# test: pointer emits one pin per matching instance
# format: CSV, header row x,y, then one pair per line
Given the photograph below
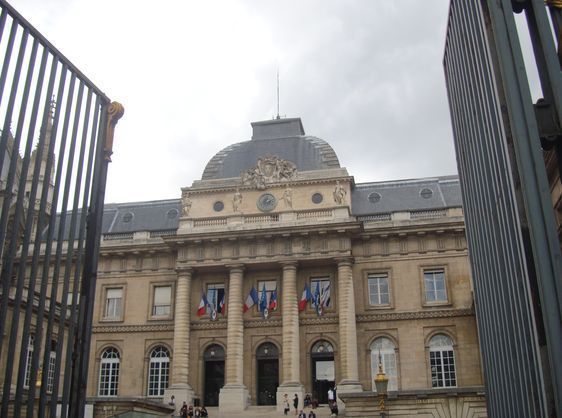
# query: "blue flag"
x,y
316,298
263,301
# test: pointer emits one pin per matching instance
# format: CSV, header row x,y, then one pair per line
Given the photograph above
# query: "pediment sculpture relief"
x,y
269,169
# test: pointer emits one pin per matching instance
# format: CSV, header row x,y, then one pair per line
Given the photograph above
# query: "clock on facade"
x,y
266,202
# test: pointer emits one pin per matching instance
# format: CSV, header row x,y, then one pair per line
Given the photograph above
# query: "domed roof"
x,y
284,138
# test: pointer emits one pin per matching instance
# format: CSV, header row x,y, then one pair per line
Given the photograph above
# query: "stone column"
x,y
347,329
180,387
291,352
234,395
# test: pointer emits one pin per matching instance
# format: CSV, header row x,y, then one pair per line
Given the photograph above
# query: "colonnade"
x,y
234,395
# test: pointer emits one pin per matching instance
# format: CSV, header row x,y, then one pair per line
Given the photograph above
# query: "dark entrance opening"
x,y
214,374
267,357
323,370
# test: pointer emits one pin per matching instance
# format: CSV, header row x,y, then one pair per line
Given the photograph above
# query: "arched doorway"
x,y
267,357
213,359
323,370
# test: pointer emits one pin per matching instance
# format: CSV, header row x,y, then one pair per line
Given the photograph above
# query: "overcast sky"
x,y
365,75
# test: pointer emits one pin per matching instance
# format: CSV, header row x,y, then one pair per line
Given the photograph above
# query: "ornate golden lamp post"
x,y
381,383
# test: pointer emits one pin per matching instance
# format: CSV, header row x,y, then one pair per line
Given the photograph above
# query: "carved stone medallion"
x,y
269,169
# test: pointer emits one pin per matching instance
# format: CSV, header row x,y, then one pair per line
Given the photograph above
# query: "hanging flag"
x,y
263,300
316,299
251,300
222,305
273,300
325,297
306,296
202,304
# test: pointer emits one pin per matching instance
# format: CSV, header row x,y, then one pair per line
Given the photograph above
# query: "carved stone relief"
x,y
270,169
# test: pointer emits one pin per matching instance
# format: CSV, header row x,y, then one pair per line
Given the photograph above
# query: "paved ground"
x,y
264,412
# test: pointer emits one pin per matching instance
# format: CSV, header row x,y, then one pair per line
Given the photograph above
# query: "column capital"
x,y
343,261
289,264
235,267
184,271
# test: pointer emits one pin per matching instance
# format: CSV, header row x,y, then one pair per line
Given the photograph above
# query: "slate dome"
x,y
284,138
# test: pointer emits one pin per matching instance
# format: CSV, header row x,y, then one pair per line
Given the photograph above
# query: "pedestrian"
x,y
312,414
183,410
190,411
204,413
302,414
330,395
296,403
286,406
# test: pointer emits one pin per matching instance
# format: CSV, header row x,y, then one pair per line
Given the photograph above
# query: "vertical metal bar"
x,y
6,272
3,17
68,269
12,168
7,57
60,240
41,220
8,264
10,107
89,275
72,341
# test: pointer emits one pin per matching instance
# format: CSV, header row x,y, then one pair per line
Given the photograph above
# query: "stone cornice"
x,y
132,328
426,314
261,323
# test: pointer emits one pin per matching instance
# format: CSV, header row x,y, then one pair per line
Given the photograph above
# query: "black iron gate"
x,y
55,145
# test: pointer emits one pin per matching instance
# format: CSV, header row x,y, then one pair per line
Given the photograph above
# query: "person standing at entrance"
x,y
296,403
286,406
330,395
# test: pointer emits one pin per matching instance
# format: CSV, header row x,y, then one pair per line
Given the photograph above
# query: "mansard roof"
x,y
395,196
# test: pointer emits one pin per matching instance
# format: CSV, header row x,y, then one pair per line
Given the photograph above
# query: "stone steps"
x,y
264,412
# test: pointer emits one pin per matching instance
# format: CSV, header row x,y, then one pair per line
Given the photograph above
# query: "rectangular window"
x,y
114,303
435,290
215,294
269,286
28,361
321,291
378,289
442,364
51,368
162,301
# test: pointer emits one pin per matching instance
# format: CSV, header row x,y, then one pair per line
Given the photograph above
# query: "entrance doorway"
x,y
267,357
323,370
214,374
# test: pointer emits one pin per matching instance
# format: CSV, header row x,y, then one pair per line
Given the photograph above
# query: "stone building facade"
x,y
275,221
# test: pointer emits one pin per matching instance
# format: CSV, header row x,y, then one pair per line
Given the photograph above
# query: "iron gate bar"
x,y
52,223
31,252
17,215
41,224
68,270
60,240
7,58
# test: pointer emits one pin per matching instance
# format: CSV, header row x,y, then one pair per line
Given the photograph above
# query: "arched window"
x,y
385,347
158,371
322,347
442,362
109,372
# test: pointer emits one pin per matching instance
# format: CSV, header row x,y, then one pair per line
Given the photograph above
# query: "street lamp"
x,y
381,383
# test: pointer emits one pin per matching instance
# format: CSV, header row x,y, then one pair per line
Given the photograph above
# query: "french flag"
x,y
273,300
251,300
306,296
222,306
202,305
325,297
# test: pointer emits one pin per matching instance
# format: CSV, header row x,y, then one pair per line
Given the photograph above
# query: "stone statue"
x,y
186,208
339,193
288,197
236,201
